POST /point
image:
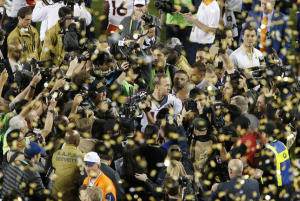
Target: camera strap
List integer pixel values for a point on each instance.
(130, 25)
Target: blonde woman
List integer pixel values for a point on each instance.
(90, 193)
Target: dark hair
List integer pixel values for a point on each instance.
(24, 11)
(150, 130)
(161, 47)
(98, 128)
(12, 136)
(196, 92)
(126, 126)
(64, 11)
(60, 123)
(221, 33)
(200, 67)
(168, 129)
(250, 28)
(19, 105)
(234, 112)
(182, 72)
(242, 121)
(286, 116)
(162, 113)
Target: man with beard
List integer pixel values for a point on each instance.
(180, 81)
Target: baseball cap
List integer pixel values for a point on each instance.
(140, 2)
(91, 158)
(34, 149)
(200, 124)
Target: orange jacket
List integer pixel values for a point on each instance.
(108, 187)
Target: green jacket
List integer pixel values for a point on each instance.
(178, 19)
(53, 46)
(67, 162)
(30, 41)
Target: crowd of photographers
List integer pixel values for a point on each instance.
(210, 114)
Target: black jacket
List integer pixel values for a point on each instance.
(115, 178)
(19, 172)
(235, 191)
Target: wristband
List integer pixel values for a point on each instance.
(147, 109)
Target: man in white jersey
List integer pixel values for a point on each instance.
(115, 11)
(160, 99)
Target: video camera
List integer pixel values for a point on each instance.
(131, 107)
(218, 114)
(132, 53)
(149, 20)
(168, 7)
(282, 75)
(74, 35)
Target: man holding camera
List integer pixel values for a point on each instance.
(132, 24)
(160, 65)
(53, 44)
(48, 14)
(26, 35)
(139, 22)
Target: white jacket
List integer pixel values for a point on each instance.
(48, 15)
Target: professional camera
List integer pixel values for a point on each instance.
(129, 109)
(283, 76)
(218, 114)
(131, 53)
(74, 35)
(168, 7)
(149, 20)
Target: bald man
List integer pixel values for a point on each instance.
(239, 187)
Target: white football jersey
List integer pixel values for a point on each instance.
(118, 10)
